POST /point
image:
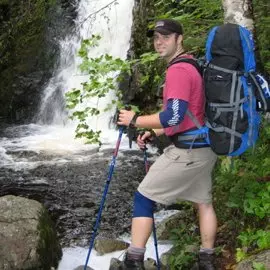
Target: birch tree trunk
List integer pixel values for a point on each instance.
(239, 12)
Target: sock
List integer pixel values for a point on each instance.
(135, 253)
(209, 251)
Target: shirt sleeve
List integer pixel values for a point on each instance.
(178, 83)
(174, 113)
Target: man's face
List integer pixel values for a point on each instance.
(165, 45)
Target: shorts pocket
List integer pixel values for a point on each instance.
(172, 153)
(177, 154)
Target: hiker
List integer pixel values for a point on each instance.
(183, 171)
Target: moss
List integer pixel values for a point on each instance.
(144, 11)
(49, 249)
(4, 2)
(22, 32)
(28, 33)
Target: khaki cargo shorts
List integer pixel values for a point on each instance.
(180, 174)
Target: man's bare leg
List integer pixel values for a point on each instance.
(208, 225)
(208, 230)
(141, 231)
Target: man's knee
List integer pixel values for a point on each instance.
(201, 207)
(143, 207)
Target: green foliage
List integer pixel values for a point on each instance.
(258, 266)
(243, 187)
(151, 70)
(23, 26)
(257, 202)
(104, 75)
(242, 183)
(186, 241)
(262, 26)
(22, 35)
(257, 239)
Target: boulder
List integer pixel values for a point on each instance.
(28, 239)
(106, 245)
(165, 226)
(260, 258)
(164, 258)
(149, 264)
(115, 264)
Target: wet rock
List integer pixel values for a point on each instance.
(105, 245)
(115, 264)
(262, 258)
(72, 190)
(164, 259)
(163, 229)
(27, 239)
(149, 264)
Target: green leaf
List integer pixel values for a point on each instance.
(258, 266)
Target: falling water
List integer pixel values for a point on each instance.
(110, 19)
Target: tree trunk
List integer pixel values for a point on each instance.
(239, 12)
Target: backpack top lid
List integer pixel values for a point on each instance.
(231, 46)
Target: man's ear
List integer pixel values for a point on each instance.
(180, 40)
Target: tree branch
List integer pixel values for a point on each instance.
(96, 12)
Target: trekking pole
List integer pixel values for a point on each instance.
(146, 164)
(111, 168)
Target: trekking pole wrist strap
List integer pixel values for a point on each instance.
(132, 123)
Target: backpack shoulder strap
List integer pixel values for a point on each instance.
(190, 61)
(199, 67)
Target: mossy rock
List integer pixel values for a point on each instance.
(28, 237)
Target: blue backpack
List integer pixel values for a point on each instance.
(235, 94)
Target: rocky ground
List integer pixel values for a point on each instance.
(72, 190)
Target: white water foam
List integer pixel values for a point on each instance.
(74, 257)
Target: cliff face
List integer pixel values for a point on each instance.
(29, 50)
(144, 13)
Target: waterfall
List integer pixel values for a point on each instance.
(110, 19)
(53, 132)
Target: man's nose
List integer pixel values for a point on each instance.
(159, 40)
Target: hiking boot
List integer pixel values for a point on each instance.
(129, 264)
(205, 262)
